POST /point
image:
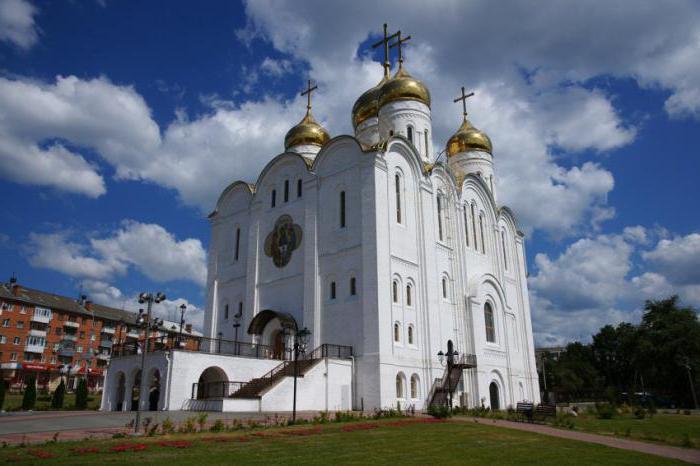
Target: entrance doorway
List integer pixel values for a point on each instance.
(278, 345)
(493, 392)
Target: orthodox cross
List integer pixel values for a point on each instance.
(464, 98)
(385, 42)
(307, 93)
(399, 44)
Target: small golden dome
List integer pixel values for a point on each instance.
(306, 132)
(403, 86)
(367, 105)
(467, 138)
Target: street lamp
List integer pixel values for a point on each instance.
(301, 338)
(450, 357)
(183, 308)
(145, 322)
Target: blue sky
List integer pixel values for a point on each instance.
(121, 122)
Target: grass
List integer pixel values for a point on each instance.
(13, 402)
(372, 442)
(670, 429)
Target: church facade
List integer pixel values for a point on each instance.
(407, 271)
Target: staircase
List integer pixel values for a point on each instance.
(255, 388)
(440, 392)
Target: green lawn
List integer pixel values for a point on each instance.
(671, 429)
(13, 402)
(370, 442)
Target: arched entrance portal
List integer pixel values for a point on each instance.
(493, 392)
(135, 392)
(278, 346)
(154, 390)
(121, 392)
(213, 383)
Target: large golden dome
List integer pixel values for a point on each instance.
(367, 105)
(467, 138)
(306, 132)
(403, 86)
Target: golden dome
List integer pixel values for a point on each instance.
(467, 138)
(367, 105)
(306, 132)
(403, 86)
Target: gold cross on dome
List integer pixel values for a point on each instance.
(399, 44)
(307, 93)
(464, 98)
(385, 42)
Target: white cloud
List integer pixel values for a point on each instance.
(678, 259)
(17, 23)
(149, 248)
(275, 68)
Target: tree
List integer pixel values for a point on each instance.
(58, 396)
(29, 399)
(574, 373)
(2, 392)
(616, 357)
(81, 395)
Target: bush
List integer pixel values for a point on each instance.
(202, 420)
(168, 427)
(605, 410)
(639, 412)
(322, 418)
(81, 395)
(58, 396)
(564, 420)
(439, 412)
(218, 426)
(189, 425)
(29, 399)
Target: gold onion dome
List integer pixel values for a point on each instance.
(403, 86)
(467, 138)
(367, 105)
(306, 132)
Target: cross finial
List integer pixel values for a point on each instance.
(385, 42)
(307, 93)
(399, 44)
(464, 98)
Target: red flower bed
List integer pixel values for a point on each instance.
(362, 426)
(422, 420)
(303, 432)
(86, 450)
(41, 454)
(220, 438)
(175, 443)
(129, 447)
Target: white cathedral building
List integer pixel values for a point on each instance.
(404, 276)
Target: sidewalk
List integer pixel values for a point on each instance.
(684, 454)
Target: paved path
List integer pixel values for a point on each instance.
(684, 454)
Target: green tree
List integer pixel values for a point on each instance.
(574, 373)
(616, 357)
(29, 399)
(58, 396)
(81, 395)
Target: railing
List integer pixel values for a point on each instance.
(209, 390)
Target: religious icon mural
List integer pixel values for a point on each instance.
(284, 238)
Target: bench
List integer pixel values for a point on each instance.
(524, 411)
(543, 411)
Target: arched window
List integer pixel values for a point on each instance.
(391, 132)
(481, 228)
(503, 245)
(425, 134)
(489, 323)
(439, 216)
(238, 243)
(397, 332)
(399, 386)
(342, 209)
(410, 334)
(444, 287)
(353, 286)
(466, 224)
(395, 291)
(409, 132)
(476, 245)
(409, 298)
(414, 386)
(299, 187)
(286, 190)
(226, 311)
(332, 290)
(273, 198)
(397, 183)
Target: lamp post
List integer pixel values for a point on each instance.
(301, 338)
(183, 308)
(145, 322)
(236, 325)
(450, 356)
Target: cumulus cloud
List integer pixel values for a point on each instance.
(148, 248)
(17, 23)
(678, 259)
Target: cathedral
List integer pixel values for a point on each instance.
(357, 272)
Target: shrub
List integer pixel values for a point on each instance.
(81, 395)
(153, 430)
(344, 416)
(639, 412)
(202, 420)
(189, 425)
(58, 396)
(605, 410)
(218, 426)
(168, 427)
(439, 412)
(29, 399)
(322, 418)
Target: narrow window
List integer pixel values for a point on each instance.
(299, 187)
(466, 224)
(444, 288)
(476, 246)
(439, 214)
(414, 386)
(226, 311)
(332, 290)
(397, 182)
(410, 334)
(503, 245)
(342, 209)
(397, 332)
(391, 132)
(409, 298)
(238, 243)
(395, 291)
(399, 386)
(240, 309)
(489, 323)
(409, 132)
(353, 286)
(481, 228)
(286, 190)
(426, 142)
(273, 198)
